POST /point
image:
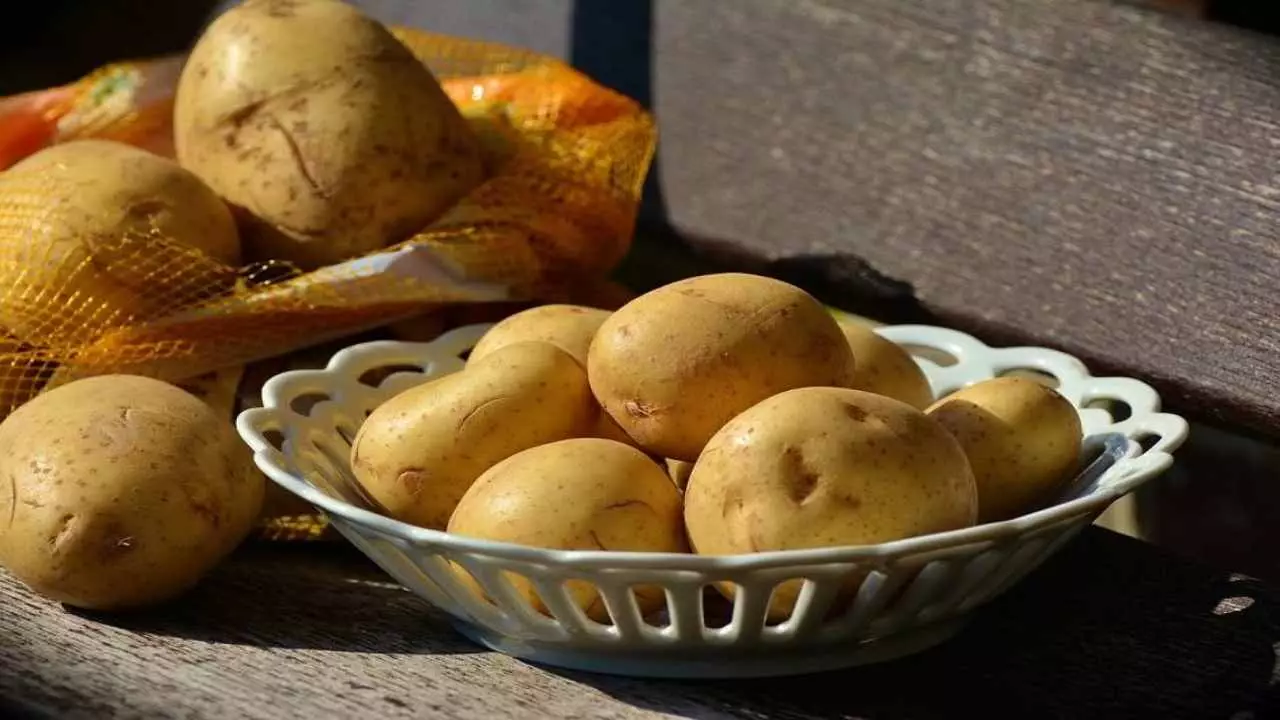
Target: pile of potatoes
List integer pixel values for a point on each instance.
(304, 132)
(722, 414)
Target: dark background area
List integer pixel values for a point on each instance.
(52, 42)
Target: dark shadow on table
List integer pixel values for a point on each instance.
(1099, 632)
(281, 597)
(1218, 504)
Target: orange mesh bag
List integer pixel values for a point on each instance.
(566, 160)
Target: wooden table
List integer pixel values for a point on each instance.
(1107, 629)
(1084, 174)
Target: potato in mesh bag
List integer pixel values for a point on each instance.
(326, 131)
(564, 160)
(97, 234)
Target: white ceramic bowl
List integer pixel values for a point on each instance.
(917, 592)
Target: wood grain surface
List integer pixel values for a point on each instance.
(1110, 628)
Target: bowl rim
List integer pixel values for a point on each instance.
(1123, 451)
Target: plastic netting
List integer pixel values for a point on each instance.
(566, 159)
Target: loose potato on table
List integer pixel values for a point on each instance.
(326, 131)
(417, 453)
(1022, 438)
(577, 494)
(104, 238)
(675, 364)
(884, 368)
(122, 491)
(822, 467)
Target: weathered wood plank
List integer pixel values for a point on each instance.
(1109, 629)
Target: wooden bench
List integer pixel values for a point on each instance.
(1108, 629)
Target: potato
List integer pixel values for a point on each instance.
(88, 260)
(675, 364)
(884, 368)
(417, 453)
(823, 467)
(325, 130)
(1022, 439)
(578, 494)
(568, 327)
(123, 492)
